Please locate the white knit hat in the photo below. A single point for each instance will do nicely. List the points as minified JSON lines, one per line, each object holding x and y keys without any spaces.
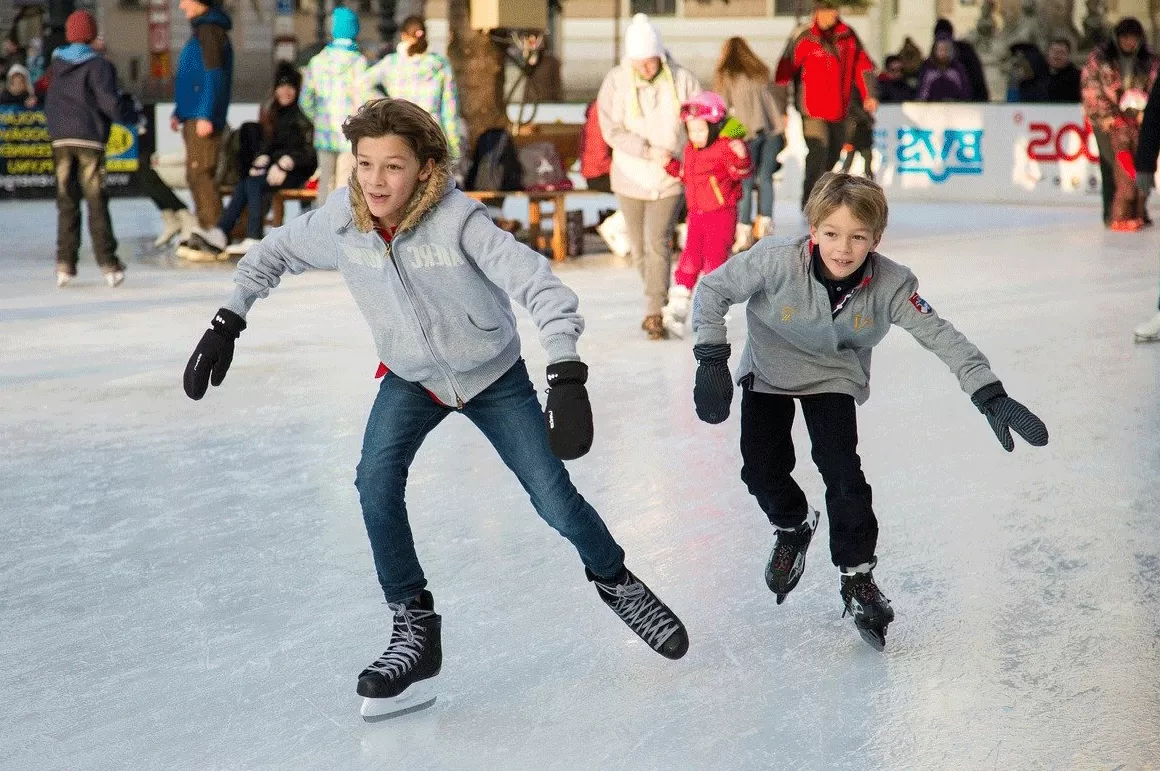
{"x":642,"y":40}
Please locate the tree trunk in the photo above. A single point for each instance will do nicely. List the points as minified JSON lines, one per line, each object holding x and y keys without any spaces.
{"x":478,"y":66}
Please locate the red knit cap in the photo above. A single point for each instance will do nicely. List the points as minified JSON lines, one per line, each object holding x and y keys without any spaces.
{"x":80,"y":27}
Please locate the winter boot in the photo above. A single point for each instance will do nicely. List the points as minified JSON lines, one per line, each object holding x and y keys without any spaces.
{"x":743,"y":238}
{"x":643,"y":612}
{"x":654,"y":327}
{"x":762,"y":227}
{"x":1149,"y":331}
{"x":676,"y":310}
{"x":866,"y":603}
{"x":170,"y":227}
{"x":402,"y":678}
{"x":787,"y":561}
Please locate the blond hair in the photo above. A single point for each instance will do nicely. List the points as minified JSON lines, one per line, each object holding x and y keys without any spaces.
{"x":863,"y":197}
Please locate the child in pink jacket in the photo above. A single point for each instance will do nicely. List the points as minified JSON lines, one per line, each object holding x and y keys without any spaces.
{"x":712,"y":169}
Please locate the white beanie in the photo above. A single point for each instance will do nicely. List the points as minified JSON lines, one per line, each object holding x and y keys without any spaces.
{"x":642,"y":40}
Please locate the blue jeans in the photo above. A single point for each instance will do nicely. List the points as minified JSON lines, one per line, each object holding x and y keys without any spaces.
{"x":509,"y":415}
{"x":763,"y":149}
{"x":253,"y":195}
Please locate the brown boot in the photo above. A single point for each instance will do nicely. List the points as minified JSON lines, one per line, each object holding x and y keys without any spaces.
{"x":654,"y":326}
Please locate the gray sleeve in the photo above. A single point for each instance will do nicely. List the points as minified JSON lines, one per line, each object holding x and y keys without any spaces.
{"x":934,"y":333}
{"x":610,"y":114}
{"x":527,"y":278}
{"x":307,"y":242}
{"x":742,"y":276}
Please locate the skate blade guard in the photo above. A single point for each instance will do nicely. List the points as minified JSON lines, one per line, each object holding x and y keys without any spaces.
{"x":418,"y":696}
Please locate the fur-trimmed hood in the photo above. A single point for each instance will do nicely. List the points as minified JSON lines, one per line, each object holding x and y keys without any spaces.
{"x":422,"y":201}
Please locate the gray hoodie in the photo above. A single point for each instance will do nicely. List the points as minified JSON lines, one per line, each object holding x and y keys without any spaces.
{"x":795,"y":344}
{"x":436,"y":299}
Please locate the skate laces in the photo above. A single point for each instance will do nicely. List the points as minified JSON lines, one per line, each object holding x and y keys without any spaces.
{"x":407,"y":641}
{"x":788,"y":545}
{"x":641,"y":610}
{"x":865,"y":590}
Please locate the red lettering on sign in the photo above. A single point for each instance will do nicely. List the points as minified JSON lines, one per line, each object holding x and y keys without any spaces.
{"x":1069,"y":142}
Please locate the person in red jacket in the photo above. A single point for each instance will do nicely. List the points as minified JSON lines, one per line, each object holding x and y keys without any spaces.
{"x":712,"y":169}
{"x":595,"y":154}
{"x":825,"y":62}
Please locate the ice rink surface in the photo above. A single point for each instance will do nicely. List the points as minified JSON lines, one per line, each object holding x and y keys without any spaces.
{"x":188,"y":585}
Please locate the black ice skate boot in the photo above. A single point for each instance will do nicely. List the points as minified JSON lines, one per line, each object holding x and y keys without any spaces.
{"x":644,"y":613}
{"x":870,"y":608}
{"x":401,"y":680}
{"x":787,"y":561}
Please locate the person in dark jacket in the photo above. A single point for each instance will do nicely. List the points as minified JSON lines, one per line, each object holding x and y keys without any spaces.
{"x":1062,"y":74}
{"x":1147,"y":149}
{"x":942,"y":77}
{"x":285,"y":158}
{"x":892,"y":85}
{"x":966,"y":55}
{"x":81,"y":107}
{"x":1029,"y":74}
{"x":201,"y":93}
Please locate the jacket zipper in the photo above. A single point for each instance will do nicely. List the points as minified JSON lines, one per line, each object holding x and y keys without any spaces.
{"x":422,"y":329}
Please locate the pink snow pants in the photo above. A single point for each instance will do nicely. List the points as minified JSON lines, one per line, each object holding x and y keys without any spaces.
{"x":707,"y":246}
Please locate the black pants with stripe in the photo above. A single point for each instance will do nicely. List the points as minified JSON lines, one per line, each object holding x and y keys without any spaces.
{"x":768,"y":458}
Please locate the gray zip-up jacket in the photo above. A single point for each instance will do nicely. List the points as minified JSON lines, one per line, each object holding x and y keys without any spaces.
{"x":796,"y":346}
{"x":437,"y":298}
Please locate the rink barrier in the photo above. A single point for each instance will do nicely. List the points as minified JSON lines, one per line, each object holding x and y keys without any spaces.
{"x":984,"y":153}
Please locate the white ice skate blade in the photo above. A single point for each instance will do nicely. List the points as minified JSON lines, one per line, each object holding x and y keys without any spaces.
{"x":1146,"y":338}
{"x":418,"y":696}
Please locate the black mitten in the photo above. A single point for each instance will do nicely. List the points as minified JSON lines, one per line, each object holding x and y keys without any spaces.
{"x":568,"y":415}
{"x":212,"y":356}
{"x":1004,"y":413}
{"x":713,"y":390}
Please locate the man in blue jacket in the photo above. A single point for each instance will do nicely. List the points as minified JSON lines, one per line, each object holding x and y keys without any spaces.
{"x":205,"y":72}
{"x":80,"y":107}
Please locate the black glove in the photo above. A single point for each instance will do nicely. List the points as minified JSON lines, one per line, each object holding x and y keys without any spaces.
{"x":212,"y":356}
{"x":568,"y":415}
{"x":1004,"y":413}
{"x":713,"y":390}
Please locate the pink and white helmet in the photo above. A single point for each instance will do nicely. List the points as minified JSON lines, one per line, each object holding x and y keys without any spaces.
{"x":707,"y":106}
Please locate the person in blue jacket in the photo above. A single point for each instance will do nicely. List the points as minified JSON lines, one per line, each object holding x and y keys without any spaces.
{"x":201,"y":90}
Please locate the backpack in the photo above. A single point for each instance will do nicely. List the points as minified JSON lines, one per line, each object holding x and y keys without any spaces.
{"x":542,"y":169}
{"x":494,"y":165}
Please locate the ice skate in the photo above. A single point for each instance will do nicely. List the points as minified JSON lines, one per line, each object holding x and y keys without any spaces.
{"x":654,"y":327}
{"x":787,"y":561}
{"x":208,"y":246}
{"x":643,"y":612}
{"x":402,"y":679}
{"x":115,"y":278}
{"x":743,"y":238}
{"x":188,"y":224}
{"x":866,"y":603}
{"x":63,"y":278}
{"x":170,"y":227}
{"x":239,"y":249}
{"x":762,"y":227}
{"x":675,"y":312}
{"x":1149,"y":331}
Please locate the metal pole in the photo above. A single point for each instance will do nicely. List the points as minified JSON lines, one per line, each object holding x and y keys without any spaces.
{"x":615,"y":32}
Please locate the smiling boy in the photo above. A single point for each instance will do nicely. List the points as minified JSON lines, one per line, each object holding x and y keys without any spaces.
{"x":816,"y":307}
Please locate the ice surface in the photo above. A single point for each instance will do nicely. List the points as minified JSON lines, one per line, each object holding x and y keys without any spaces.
{"x":188,"y":585}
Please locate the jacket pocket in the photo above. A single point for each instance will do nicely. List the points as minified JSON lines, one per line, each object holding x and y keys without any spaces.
{"x":470,"y":340}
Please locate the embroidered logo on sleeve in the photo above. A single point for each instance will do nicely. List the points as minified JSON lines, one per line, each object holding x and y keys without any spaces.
{"x":920,"y":305}
{"x":862,"y":322}
{"x":787,"y":313}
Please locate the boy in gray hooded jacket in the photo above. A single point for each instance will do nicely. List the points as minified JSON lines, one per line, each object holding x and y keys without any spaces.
{"x":816,"y":308}
{"x":433,"y":276}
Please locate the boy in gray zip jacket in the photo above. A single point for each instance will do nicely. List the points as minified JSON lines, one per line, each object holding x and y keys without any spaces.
{"x":433,"y":276}
{"x":816,"y":308}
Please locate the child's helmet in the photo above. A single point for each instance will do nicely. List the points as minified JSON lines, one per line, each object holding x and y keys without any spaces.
{"x":707,"y":106}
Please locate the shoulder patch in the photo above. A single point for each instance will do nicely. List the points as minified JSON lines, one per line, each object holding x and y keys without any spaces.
{"x":920,"y":305}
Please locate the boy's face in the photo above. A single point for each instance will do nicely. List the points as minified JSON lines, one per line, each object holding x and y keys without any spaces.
{"x":844,"y":243}
{"x":698,"y":132}
{"x":388,"y":172}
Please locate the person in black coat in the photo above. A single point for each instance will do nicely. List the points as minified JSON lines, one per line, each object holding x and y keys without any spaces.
{"x":280,"y":155}
{"x":1147,"y":149}
{"x":1029,"y":74}
{"x":966,"y":54}
{"x":892,"y":85}
{"x":1062,"y":75}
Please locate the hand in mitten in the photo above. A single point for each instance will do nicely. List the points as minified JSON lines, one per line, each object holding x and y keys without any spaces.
{"x":259,"y":166}
{"x":277,"y":174}
{"x":568,"y":415}
{"x":212,"y":356}
{"x":1004,"y":413}
{"x":713,"y":390}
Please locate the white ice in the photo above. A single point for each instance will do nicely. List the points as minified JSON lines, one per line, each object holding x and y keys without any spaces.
{"x":188,"y":585}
